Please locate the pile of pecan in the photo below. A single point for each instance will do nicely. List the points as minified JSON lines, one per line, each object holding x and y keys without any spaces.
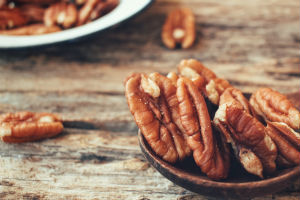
{"x":34,"y":17}
{"x":197,"y":113}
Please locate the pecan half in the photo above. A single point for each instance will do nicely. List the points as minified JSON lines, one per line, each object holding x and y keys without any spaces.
{"x":86,"y":10}
{"x":179,"y":28}
{"x":102,"y":8}
{"x":61,"y":13}
{"x":204,"y":78}
{"x":34,"y":29}
{"x":3,"y":3}
{"x":12,"y":17}
{"x":27,"y":126}
{"x":275,"y":107}
{"x":173,"y":77}
{"x":252,"y":146}
{"x":212,"y":158}
{"x":41,"y":2}
{"x":34,"y":12}
{"x":234,"y":96}
{"x":287,"y":141}
{"x":151,"y":110}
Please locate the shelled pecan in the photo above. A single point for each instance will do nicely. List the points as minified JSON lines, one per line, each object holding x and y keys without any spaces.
{"x":61,"y":13}
{"x":150,"y":108}
{"x":275,"y":107}
{"x":34,"y":12}
{"x":11,"y":17}
{"x":34,"y":29}
{"x":102,"y":8}
{"x":179,"y":28}
{"x":86,"y":10}
{"x":17,"y":17}
{"x":204,"y":78}
{"x":287,"y":141}
{"x":252,"y":146}
{"x":42,"y":2}
{"x":211,"y":157}
{"x":27,"y":126}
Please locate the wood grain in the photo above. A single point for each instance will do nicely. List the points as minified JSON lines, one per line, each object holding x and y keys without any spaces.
{"x":250,"y":43}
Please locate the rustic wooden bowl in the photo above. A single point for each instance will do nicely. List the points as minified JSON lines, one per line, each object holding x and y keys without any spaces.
{"x":239,"y":184}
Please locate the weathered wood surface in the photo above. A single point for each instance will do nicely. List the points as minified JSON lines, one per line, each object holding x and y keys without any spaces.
{"x":250,"y":43}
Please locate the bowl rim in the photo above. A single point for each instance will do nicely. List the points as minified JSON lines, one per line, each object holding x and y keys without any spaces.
{"x":123,"y":12}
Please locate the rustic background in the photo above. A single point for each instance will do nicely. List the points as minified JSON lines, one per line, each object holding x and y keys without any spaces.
{"x":251,"y":43}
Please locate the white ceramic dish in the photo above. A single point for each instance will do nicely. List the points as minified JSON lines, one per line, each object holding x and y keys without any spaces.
{"x":125,"y":10}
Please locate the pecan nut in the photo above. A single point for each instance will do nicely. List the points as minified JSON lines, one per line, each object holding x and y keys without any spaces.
{"x":34,"y":13}
{"x":34,"y":29}
{"x":27,"y":126}
{"x":179,"y":28}
{"x":150,"y":107}
{"x":61,"y":13}
{"x":275,"y":107}
{"x":211,"y":156}
{"x":102,"y":8}
{"x":12,"y":17}
{"x":86,"y":10}
{"x":234,"y":96}
{"x":252,"y":146}
{"x":204,"y":78}
{"x":287,"y":141}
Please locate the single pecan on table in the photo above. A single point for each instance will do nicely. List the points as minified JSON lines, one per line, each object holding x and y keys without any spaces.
{"x":205,"y":79}
{"x":248,"y":137}
{"x":210,"y":153}
{"x":282,"y":119}
{"x":149,"y":106}
{"x":179,"y":28}
{"x":27,"y":126}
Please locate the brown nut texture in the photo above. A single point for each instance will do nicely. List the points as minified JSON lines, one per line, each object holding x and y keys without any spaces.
{"x":27,"y":126}
{"x":61,"y":13}
{"x":233,"y":95}
{"x":205,"y":79}
{"x":86,"y":10}
{"x":102,"y":8}
{"x":179,"y":28}
{"x":34,"y":29}
{"x":12,"y":17}
{"x":149,"y":104}
{"x":275,"y":107}
{"x":34,"y":12}
{"x":253,"y":147}
{"x":213,"y":159}
{"x":287,"y":141}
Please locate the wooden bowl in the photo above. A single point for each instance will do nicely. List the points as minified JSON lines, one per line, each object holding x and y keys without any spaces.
{"x":239,"y":183}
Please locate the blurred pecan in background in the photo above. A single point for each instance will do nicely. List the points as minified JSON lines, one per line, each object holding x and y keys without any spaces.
{"x":211,"y":158}
{"x":151,"y":112}
{"x":34,"y":29}
{"x":61,"y":14}
{"x":12,"y":17}
{"x":179,"y":28}
{"x":27,"y":126}
{"x":20,"y":17}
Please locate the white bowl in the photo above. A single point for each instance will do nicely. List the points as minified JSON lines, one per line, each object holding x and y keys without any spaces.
{"x":125,"y":10}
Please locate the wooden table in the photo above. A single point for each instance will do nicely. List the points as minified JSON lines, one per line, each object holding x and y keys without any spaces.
{"x":251,"y":43}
